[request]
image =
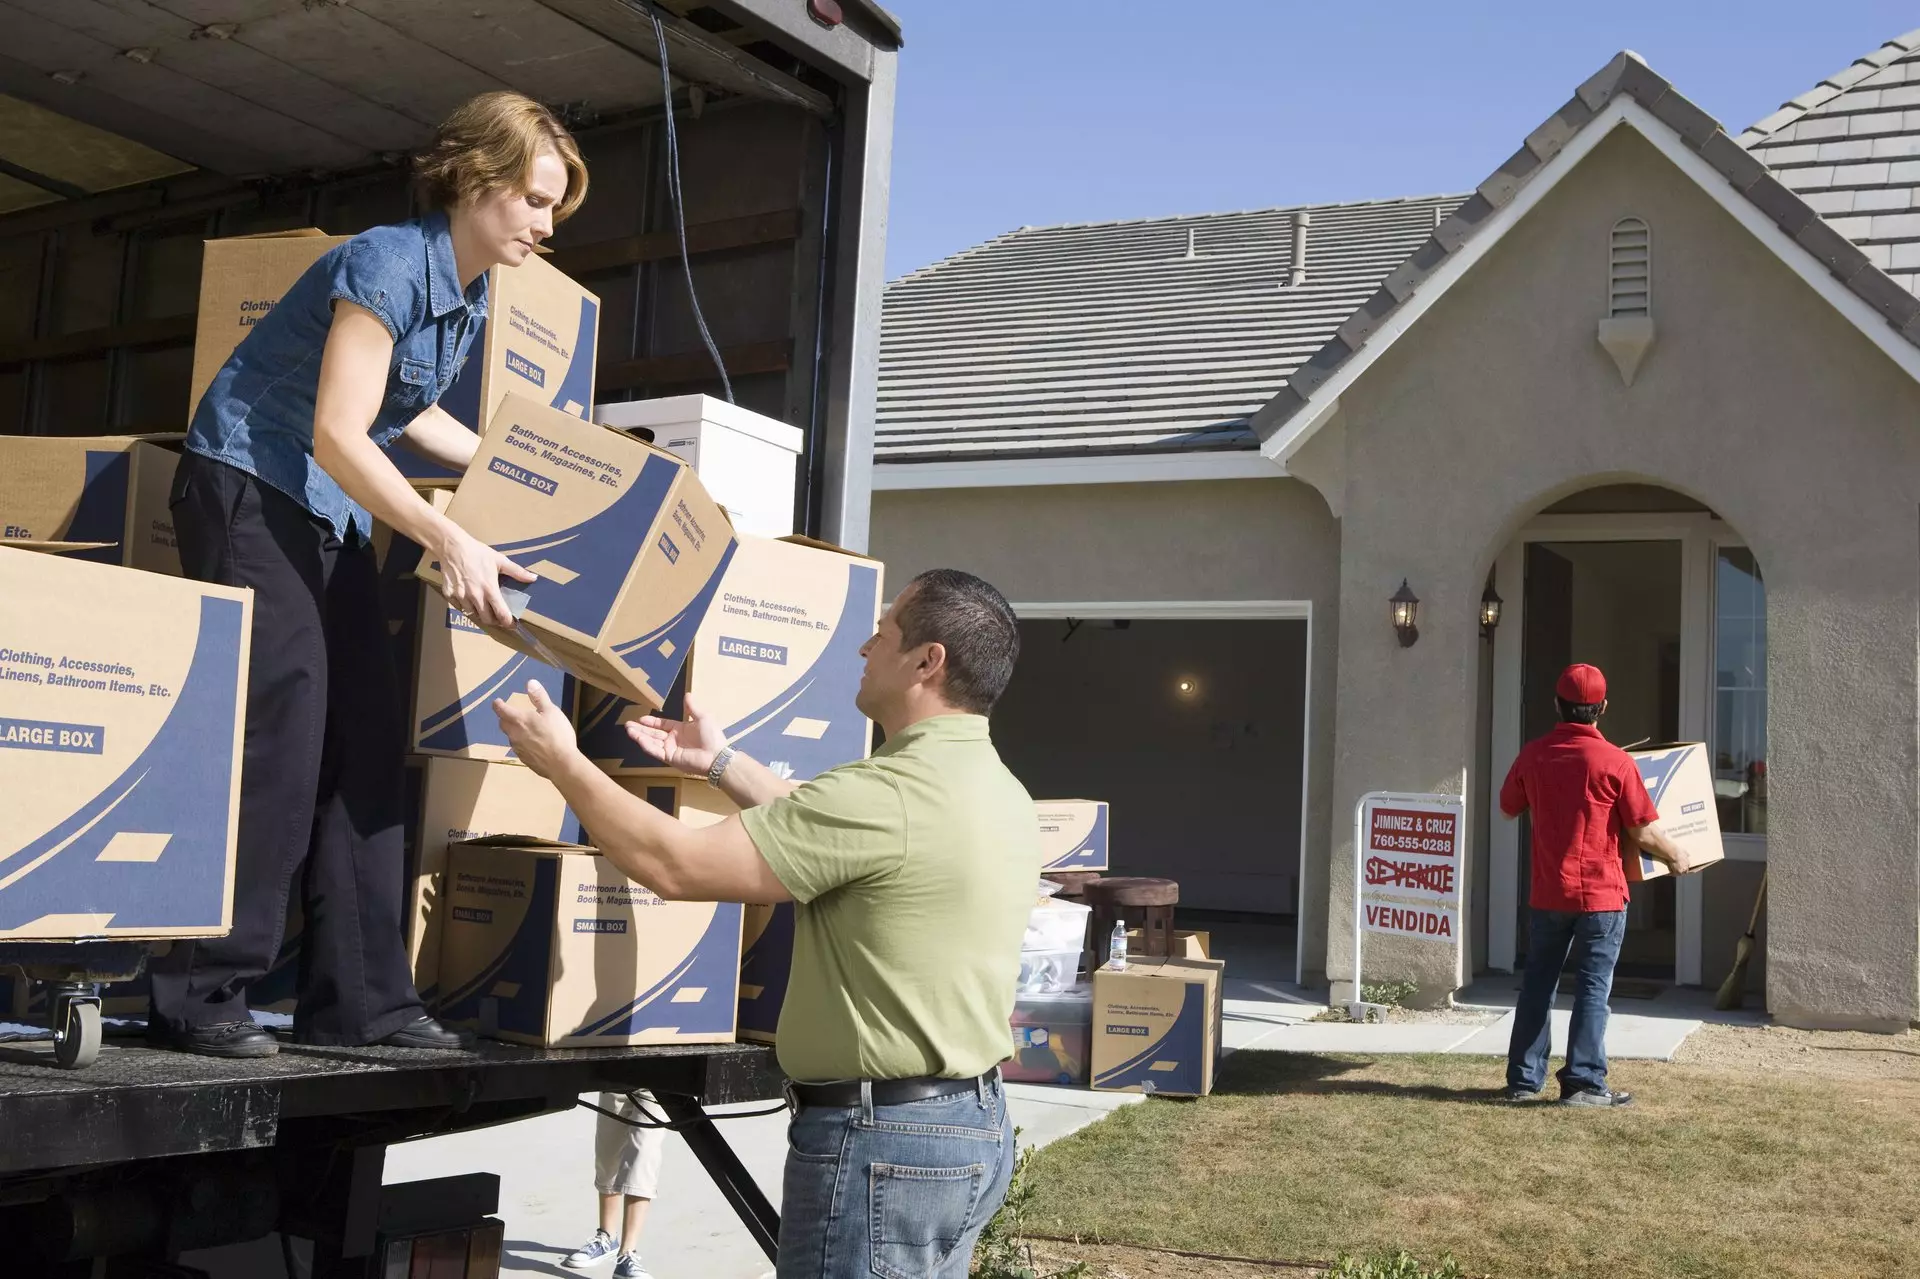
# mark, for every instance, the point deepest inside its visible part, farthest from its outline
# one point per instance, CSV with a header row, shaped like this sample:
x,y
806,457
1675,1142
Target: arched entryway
x,y
1667,597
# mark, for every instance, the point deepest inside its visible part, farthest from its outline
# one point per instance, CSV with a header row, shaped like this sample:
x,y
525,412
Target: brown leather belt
x,y
886,1092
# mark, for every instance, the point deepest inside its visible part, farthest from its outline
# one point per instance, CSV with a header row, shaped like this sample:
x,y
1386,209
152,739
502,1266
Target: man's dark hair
x,y
1578,712
976,626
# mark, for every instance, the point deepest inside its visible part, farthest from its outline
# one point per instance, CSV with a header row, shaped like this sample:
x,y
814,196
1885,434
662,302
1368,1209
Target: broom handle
x,y
1759,900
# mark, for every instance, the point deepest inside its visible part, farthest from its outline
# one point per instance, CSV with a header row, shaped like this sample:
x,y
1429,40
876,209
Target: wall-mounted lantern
x,y
1406,614
1490,603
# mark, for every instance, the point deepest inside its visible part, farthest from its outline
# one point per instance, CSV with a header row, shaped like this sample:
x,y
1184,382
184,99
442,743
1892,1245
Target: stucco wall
x,y
1217,540
1757,399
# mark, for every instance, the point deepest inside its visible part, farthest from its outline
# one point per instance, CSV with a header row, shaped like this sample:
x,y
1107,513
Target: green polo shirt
x,y
914,873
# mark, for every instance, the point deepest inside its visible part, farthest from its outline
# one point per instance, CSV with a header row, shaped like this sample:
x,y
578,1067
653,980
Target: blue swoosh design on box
x,y
470,721
524,960
181,785
1186,1037
643,653
577,385
714,967
600,549
101,513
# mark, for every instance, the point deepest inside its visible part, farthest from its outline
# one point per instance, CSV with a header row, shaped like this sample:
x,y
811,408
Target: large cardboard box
x,y
1680,782
464,799
122,696
747,461
777,660
1073,834
105,497
540,340
1156,1026
242,278
540,337
549,944
628,546
766,966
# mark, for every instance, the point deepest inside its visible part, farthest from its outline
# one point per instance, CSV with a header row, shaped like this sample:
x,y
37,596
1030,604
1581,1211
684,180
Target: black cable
x,y
679,206
673,1125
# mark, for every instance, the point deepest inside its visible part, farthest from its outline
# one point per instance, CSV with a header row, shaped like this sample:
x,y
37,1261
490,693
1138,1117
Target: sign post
x,y
1406,873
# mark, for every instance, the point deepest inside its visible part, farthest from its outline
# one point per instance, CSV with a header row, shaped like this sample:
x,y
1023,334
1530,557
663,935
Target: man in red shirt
x,y
1589,806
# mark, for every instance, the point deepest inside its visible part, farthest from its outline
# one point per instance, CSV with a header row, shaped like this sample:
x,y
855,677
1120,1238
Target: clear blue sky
x,y
1032,112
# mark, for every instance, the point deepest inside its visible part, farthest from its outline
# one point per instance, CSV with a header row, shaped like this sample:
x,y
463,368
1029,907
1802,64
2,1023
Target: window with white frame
x,y
1739,691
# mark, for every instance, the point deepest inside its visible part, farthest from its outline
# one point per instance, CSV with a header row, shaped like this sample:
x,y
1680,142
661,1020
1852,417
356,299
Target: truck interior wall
x,y
96,301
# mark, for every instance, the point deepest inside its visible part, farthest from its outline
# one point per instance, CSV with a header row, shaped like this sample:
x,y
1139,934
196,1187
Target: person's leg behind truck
x,y
626,1172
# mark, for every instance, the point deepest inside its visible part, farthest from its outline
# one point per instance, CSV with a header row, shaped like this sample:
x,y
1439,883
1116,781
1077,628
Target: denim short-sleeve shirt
x,y
257,413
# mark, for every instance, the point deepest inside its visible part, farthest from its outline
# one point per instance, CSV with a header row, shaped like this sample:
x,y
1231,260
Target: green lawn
x,y
1299,1157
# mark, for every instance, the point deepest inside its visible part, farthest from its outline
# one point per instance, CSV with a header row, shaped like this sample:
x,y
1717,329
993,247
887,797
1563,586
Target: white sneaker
x,y
595,1250
631,1267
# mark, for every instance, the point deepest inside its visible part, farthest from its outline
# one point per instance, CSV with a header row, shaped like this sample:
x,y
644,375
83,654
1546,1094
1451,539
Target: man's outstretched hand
x,y
684,745
541,734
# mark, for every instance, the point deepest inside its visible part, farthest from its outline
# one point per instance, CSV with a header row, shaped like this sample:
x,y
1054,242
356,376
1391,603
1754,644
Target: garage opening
x,y
1193,730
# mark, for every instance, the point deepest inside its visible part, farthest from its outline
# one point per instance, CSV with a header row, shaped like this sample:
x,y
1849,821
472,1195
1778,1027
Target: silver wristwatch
x,y
721,759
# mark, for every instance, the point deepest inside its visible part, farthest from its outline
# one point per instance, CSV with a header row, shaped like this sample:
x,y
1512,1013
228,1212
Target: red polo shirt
x,y
1585,793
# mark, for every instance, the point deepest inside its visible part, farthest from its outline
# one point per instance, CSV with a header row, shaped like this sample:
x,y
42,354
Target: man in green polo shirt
x,y
913,873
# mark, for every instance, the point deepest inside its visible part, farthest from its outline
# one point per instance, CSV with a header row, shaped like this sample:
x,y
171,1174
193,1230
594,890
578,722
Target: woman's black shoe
x,y
222,1039
425,1032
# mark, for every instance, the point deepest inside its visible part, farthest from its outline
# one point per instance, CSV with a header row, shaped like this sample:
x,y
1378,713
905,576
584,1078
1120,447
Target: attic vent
x,y
1630,269
1627,332
1191,253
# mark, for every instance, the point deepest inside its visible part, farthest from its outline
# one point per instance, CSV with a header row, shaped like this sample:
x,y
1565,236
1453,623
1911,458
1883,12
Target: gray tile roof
x,y
1159,335
1850,146
1625,75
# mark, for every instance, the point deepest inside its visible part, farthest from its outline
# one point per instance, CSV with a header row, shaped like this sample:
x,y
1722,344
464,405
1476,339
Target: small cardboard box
x,y
628,546
1156,1026
108,492
549,944
747,461
1073,834
777,660
122,696
540,339
1186,945
464,799
242,278
1680,782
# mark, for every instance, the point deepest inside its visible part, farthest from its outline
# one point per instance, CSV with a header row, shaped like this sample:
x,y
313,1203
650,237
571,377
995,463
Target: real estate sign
x,y
1407,870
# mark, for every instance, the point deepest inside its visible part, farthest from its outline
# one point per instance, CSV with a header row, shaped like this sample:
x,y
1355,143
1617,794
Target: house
x,y
1652,385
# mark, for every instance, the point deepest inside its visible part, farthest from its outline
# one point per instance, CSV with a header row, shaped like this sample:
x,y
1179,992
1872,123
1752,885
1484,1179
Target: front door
x,y
1617,605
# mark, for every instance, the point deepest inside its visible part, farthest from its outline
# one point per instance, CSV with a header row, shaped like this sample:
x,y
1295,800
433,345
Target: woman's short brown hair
x,y
491,142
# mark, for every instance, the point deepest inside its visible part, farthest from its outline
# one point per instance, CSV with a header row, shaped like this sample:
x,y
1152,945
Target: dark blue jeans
x,y
1593,940
898,1192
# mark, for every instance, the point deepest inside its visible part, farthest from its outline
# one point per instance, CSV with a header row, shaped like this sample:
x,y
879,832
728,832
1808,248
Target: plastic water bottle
x,y
1117,947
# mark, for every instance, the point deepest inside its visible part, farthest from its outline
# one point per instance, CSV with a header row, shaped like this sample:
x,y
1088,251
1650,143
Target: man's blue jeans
x,y
1593,939
899,1192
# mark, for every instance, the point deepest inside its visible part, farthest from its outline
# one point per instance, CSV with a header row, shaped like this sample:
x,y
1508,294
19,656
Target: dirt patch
x,y
1775,1050
1112,1261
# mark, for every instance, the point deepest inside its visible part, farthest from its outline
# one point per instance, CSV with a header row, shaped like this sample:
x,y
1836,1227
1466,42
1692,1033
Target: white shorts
x,y
626,1160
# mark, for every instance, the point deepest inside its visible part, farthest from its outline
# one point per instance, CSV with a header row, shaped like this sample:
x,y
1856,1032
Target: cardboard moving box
x,y
1073,834
628,546
541,335
242,278
1156,1026
777,660
747,461
549,944
1680,782
103,496
122,696
460,800
540,340
459,671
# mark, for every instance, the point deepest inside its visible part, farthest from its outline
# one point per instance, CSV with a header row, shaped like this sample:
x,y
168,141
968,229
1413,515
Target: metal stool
x,y
1146,904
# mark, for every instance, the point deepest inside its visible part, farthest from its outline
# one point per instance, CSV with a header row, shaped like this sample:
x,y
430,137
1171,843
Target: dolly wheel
x,y
76,1040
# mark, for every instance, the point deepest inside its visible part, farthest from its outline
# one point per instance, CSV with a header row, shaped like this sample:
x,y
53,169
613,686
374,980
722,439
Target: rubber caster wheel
x,y
76,1040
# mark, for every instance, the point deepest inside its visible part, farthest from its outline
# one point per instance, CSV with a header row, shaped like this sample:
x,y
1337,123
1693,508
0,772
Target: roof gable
x,y
1626,92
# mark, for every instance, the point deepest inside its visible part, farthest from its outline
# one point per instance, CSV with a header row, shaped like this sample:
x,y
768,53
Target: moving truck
x,y
293,119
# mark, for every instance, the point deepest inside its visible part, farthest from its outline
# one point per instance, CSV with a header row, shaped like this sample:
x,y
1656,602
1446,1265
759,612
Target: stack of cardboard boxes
x,y
516,926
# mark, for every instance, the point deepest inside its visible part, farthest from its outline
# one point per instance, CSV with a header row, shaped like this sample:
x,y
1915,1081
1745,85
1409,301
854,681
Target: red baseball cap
x,y
1582,685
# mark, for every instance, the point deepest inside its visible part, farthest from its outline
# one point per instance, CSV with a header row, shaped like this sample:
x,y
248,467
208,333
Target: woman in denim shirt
x,y
286,469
